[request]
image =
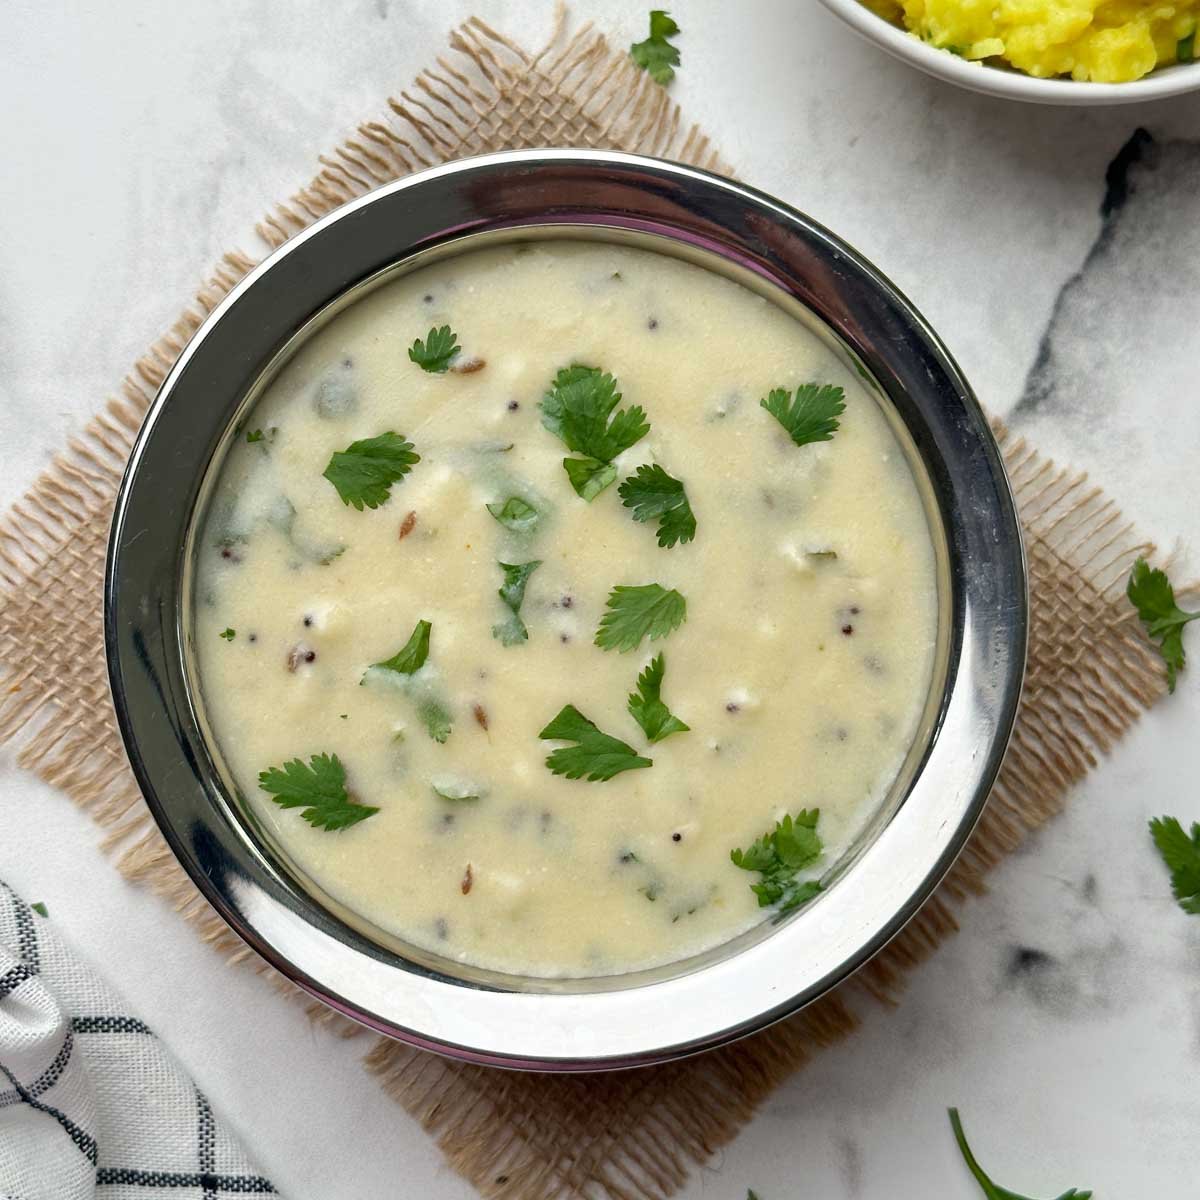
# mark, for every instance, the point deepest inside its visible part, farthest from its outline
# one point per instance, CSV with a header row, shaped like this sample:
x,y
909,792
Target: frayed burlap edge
x,y
630,1136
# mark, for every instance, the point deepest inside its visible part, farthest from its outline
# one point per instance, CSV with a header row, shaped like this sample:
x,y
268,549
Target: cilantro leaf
x,y
228,634
596,757
1182,854
255,435
1151,593
319,789
589,476
436,352
436,717
646,706
516,514
1185,48
635,612
578,410
656,55
512,592
454,789
990,1190
40,908
811,415
651,493
411,658
406,662
364,472
777,856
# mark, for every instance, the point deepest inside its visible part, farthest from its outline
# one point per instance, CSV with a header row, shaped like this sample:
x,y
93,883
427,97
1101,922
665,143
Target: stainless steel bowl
x,y
412,994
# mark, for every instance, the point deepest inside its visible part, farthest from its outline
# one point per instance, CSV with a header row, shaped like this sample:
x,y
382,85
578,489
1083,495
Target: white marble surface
x,y
140,140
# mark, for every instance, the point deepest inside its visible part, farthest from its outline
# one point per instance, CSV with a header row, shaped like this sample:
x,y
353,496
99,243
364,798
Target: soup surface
x,y
435,585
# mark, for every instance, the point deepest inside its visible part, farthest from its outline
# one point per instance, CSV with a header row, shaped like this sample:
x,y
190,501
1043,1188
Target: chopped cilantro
x,y
453,789
656,55
637,612
777,856
578,409
596,757
1181,853
411,658
319,789
406,662
39,908
811,415
512,592
1185,48
991,1190
1151,593
228,634
255,435
364,472
436,718
436,352
646,706
589,476
516,514
651,493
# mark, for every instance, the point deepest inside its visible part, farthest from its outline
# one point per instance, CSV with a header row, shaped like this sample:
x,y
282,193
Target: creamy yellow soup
x,y
795,611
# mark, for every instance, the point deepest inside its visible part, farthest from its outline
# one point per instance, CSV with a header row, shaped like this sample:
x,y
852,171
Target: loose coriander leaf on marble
x,y
651,493
1150,592
811,415
40,908
656,55
636,612
254,435
319,789
516,514
512,592
991,1190
1181,853
596,757
579,410
436,352
364,472
228,634
646,705
779,855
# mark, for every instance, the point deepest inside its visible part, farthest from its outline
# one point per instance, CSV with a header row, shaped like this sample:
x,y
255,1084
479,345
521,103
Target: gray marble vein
x,y
1116,363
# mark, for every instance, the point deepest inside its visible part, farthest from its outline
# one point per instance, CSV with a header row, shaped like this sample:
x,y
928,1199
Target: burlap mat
x,y
633,1135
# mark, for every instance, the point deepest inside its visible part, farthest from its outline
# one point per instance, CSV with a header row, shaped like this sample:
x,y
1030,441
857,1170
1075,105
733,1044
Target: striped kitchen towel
x,y
91,1104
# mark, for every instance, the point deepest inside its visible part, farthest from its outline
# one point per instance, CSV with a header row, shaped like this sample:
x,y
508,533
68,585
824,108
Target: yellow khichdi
x,y
1108,41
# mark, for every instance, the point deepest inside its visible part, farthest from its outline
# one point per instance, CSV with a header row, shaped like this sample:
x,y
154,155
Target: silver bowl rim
x,y
565,1031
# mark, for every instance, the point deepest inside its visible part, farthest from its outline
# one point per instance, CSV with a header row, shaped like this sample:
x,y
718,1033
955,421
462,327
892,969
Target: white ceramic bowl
x,y
1013,85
